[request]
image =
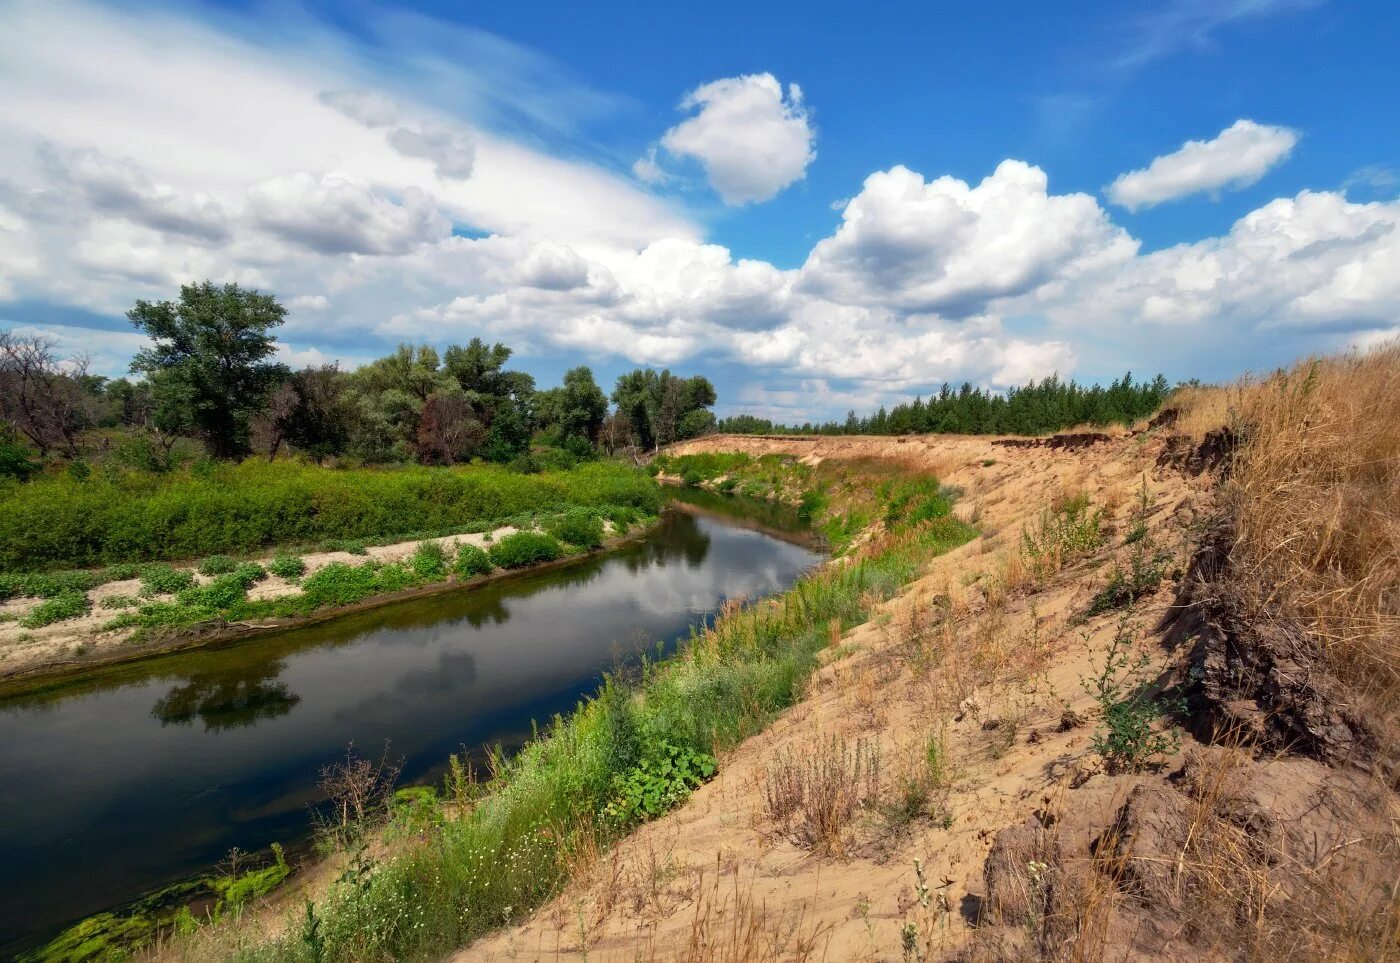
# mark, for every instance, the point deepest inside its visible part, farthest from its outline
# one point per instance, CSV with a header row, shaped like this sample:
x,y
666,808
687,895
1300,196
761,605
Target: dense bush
x,y
238,509
579,527
340,584
525,548
222,592
471,561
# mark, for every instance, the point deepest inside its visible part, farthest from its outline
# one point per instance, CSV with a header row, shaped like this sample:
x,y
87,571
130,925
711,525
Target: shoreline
x,y
38,676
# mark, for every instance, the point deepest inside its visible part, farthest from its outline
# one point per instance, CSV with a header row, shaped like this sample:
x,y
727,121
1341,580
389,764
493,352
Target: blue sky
x,y
820,206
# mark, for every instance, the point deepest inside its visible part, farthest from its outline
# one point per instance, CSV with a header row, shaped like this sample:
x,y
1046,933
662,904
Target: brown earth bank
x,y
961,780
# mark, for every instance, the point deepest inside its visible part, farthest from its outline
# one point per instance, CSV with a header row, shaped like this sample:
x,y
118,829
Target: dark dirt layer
x,y
1258,677
1064,442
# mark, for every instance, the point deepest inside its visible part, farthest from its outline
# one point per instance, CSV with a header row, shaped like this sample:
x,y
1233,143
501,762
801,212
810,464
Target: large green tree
x,y
211,356
662,407
575,409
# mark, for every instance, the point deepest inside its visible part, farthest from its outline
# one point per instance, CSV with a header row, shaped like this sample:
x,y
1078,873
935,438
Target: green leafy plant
x,y
161,579
429,562
1066,530
471,561
1128,583
287,566
340,584
659,782
70,605
1127,737
520,549
217,565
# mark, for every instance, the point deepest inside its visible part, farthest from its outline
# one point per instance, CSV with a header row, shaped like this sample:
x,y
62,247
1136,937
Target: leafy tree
x,y
576,409
212,350
324,417
663,408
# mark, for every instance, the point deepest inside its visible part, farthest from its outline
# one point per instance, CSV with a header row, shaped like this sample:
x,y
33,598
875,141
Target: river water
x,y
119,783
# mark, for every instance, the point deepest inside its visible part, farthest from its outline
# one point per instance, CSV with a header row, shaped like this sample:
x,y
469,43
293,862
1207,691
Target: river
x,y
119,783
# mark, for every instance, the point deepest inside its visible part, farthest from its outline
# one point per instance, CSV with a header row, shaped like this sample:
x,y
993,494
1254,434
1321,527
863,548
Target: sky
x,y
819,206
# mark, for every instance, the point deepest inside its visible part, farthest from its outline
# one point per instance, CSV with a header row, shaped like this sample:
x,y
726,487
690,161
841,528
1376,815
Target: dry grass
x,y
813,796
1315,494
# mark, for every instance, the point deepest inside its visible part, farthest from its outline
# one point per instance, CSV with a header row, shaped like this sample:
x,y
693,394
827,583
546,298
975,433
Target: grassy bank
x,y
842,498
460,864
126,517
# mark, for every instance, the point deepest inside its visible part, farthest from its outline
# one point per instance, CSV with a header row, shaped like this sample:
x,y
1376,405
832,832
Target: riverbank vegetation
x,y
842,498
461,861
238,509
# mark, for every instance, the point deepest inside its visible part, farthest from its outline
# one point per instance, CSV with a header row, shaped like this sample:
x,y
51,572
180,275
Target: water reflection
x,y
227,699
134,778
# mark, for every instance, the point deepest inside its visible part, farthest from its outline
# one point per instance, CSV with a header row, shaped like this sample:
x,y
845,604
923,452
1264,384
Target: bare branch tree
x,y
45,403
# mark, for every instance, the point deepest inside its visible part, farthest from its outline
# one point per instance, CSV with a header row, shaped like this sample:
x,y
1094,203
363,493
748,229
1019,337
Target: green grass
x,y
626,754
62,522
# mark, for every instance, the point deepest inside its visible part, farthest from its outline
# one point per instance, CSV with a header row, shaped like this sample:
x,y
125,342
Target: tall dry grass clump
x,y
1315,494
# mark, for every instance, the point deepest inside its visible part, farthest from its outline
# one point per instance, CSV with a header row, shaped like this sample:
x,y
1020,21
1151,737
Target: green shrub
x,y
163,579
249,573
429,562
340,584
525,548
47,585
579,527
217,565
287,566
397,576
1127,737
121,573
471,561
221,593
70,605
665,778
692,477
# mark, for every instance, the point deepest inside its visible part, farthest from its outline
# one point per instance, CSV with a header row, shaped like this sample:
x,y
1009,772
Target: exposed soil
x,y
1031,846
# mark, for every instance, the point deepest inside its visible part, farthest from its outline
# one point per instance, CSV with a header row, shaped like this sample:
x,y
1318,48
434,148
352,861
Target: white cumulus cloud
x,y
752,138
947,247
1238,157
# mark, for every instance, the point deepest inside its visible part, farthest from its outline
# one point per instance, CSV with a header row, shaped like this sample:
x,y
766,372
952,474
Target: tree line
x,y
211,375
1033,409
